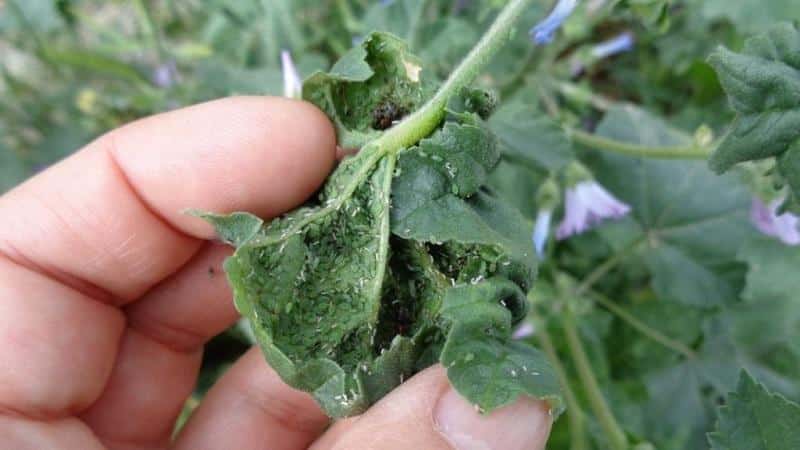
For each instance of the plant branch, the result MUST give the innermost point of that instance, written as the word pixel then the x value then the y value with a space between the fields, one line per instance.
pixel 642 327
pixel 575 415
pixel 606 267
pixel 614 433
pixel 666 152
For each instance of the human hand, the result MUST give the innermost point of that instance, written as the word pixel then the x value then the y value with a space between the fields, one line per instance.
pixel 108 293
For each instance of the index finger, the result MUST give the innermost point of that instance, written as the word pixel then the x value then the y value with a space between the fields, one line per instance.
pixel 106 225
pixel 110 218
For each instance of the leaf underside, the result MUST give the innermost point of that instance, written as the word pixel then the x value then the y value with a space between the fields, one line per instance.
pixel 404 259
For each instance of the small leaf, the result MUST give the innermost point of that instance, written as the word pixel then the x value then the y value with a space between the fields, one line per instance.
pixel 234 229
pixel 483 363
pixel 756 419
pixel 763 84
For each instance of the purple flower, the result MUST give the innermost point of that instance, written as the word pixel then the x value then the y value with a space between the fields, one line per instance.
pixel 587 204
pixel 614 46
pixel 543 32
pixel 542 230
pixel 768 221
pixel 525 329
pixel 292 84
pixel 165 75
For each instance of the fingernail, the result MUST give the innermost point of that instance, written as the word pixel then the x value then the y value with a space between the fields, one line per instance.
pixel 524 425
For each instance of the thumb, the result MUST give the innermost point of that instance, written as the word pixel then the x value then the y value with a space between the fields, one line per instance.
pixel 425 412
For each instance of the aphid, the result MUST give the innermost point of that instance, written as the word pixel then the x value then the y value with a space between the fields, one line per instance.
pixel 385 114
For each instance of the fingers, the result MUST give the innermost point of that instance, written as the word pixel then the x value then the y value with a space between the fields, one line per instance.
pixel 251 408
pixel 160 352
pixel 65 434
pixel 57 345
pixel 110 218
pixel 105 225
pixel 426 412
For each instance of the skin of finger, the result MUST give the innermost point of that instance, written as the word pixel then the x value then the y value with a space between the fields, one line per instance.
pixel 110 219
pixel 406 418
pixel 81 224
pixel 19 433
pixel 74 248
pixel 251 408
pixel 185 310
pixel 401 420
pixel 170 331
pixel 280 150
pixel 145 393
pixel 58 346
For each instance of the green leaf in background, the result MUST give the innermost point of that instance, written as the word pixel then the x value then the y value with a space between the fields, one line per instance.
pixel 763 84
pixel 37 15
pixel 401 18
pixel 529 137
pixel 756 419
pixel 767 324
pixel 13 169
pixel 749 15
pixel 690 223
pixel 653 13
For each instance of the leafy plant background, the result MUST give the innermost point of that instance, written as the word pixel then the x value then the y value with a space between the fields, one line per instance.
pixel 694 294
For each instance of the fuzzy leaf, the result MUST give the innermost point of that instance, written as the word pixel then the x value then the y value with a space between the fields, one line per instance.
pixel 530 137
pixel 349 296
pixel 482 363
pixel 748 15
pixel 756 419
pixel 763 85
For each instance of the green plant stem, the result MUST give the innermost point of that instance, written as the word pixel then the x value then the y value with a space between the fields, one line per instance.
pixel 614 433
pixel 575 415
pixel 150 30
pixel 414 26
pixel 578 94
pixel 625 148
pixel 425 120
pixel 608 265
pixel 642 327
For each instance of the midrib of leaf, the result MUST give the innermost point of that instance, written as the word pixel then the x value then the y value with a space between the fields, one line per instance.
pixel 385 230
pixel 372 157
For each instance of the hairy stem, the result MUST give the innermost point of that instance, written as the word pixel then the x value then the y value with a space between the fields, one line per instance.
pixel 425 120
pixel 577 421
pixel 642 327
pixel 616 437
pixel 610 145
